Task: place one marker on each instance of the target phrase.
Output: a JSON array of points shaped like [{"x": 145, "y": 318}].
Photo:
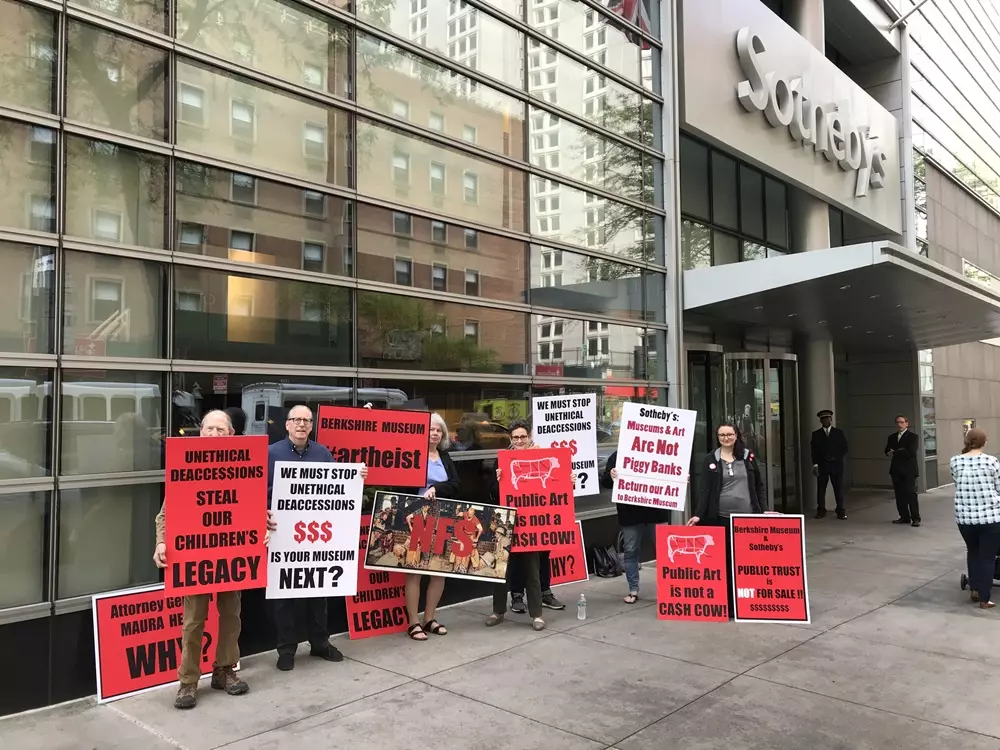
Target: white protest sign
[
  {"x": 570, "y": 422},
  {"x": 314, "y": 551},
  {"x": 654, "y": 456}
]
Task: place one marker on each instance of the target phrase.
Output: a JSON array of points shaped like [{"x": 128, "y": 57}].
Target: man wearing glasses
[{"x": 298, "y": 447}]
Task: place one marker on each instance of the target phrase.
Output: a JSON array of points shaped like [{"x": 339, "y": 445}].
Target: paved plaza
[{"x": 895, "y": 656}]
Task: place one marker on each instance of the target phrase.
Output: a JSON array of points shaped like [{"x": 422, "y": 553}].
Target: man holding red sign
[{"x": 214, "y": 424}]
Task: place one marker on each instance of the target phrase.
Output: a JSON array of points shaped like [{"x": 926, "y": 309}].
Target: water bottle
[{"x": 581, "y": 608}]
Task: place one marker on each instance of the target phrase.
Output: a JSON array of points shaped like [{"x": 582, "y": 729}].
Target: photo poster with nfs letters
[
  {"x": 440, "y": 537},
  {"x": 570, "y": 422},
  {"x": 314, "y": 550},
  {"x": 654, "y": 456}
]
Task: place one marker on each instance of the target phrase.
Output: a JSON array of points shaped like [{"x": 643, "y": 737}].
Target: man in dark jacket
[
  {"x": 829, "y": 446},
  {"x": 903, "y": 449}
]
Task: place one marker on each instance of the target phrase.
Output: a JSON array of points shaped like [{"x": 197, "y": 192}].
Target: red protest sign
[
  {"x": 568, "y": 562},
  {"x": 538, "y": 483},
  {"x": 379, "y": 607},
  {"x": 769, "y": 568},
  {"x": 393, "y": 444},
  {"x": 691, "y": 576},
  {"x": 137, "y": 640},
  {"x": 216, "y": 514}
]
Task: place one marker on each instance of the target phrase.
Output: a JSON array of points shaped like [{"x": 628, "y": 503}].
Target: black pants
[
  {"x": 905, "y": 488},
  {"x": 525, "y": 567},
  {"x": 286, "y": 615},
  {"x": 983, "y": 544},
  {"x": 516, "y": 575},
  {"x": 837, "y": 480}
]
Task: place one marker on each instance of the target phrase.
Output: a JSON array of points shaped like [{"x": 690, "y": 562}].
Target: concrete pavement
[{"x": 896, "y": 656}]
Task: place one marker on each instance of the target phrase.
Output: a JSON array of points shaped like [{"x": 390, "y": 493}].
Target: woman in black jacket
[
  {"x": 443, "y": 482},
  {"x": 636, "y": 522}
]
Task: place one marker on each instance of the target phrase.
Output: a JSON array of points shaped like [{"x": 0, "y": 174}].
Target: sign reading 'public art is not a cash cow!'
[{"x": 654, "y": 456}]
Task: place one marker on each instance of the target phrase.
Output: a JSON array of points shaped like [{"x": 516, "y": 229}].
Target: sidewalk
[{"x": 896, "y": 656}]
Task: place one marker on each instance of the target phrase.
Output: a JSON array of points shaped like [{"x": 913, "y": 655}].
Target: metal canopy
[{"x": 875, "y": 295}]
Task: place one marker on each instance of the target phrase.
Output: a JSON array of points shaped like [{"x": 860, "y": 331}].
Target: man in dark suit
[
  {"x": 829, "y": 446},
  {"x": 903, "y": 448}
]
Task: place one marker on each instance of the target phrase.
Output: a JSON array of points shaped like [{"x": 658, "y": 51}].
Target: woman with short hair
[{"x": 977, "y": 512}]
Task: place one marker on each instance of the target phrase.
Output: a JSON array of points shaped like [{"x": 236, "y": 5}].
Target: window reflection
[
  {"x": 151, "y": 14},
  {"x": 284, "y": 39},
  {"x": 240, "y": 217},
  {"x": 27, "y": 176},
  {"x": 111, "y": 421},
  {"x": 113, "y": 307},
  {"x": 397, "y": 247},
  {"x": 586, "y": 284},
  {"x": 23, "y": 533},
  {"x": 115, "y": 82},
  {"x": 231, "y": 118},
  {"x": 26, "y": 304},
  {"x": 27, "y": 55},
  {"x": 118, "y": 193},
  {"x": 572, "y": 348},
  {"x": 416, "y": 334},
  {"x": 696, "y": 245},
  {"x": 25, "y": 422},
  {"x": 231, "y": 317}
]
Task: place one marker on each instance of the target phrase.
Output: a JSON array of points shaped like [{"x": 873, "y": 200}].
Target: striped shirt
[{"x": 977, "y": 489}]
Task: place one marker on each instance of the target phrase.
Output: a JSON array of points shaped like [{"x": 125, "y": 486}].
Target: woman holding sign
[{"x": 442, "y": 481}]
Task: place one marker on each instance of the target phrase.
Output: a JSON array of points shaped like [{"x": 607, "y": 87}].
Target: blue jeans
[{"x": 633, "y": 545}]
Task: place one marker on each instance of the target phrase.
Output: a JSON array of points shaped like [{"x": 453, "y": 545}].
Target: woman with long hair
[{"x": 977, "y": 512}]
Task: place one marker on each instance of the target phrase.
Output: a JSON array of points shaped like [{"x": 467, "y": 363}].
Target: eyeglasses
[
  {"x": 724, "y": 435},
  {"x": 300, "y": 420},
  {"x": 519, "y": 438}
]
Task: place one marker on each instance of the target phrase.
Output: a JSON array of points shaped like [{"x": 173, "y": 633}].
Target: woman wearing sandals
[
  {"x": 977, "y": 511},
  {"x": 637, "y": 522},
  {"x": 442, "y": 481}
]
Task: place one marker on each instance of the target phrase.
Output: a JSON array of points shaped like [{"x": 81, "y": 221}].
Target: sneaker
[
  {"x": 328, "y": 652},
  {"x": 549, "y": 600},
  {"x": 224, "y": 678},
  {"x": 517, "y": 604},
  {"x": 539, "y": 624},
  {"x": 842, "y": 515},
  {"x": 187, "y": 696},
  {"x": 286, "y": 662}
]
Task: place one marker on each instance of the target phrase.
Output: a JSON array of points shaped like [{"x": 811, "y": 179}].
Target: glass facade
[{"x": 458, "y": 207}]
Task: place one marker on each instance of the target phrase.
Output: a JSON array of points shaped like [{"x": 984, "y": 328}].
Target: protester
[
  {"x": 977, "y": 511},
  {"x": 521, "y": 566},
  {"x": 443, "y": 482},
  {"x": 298, "y": 447},
  {"x": 637, "y": 522},
  {"x": 227, "y": 653}
]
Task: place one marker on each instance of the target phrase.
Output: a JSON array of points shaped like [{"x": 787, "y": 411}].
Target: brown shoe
[
  {"x": 224, "y": 678},
  {"x": 187, "y": 695}
]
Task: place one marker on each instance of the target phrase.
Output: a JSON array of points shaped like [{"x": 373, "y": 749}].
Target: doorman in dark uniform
[
  {"x": 829, "y": 446},
  {"x": 903, "y": 448}
]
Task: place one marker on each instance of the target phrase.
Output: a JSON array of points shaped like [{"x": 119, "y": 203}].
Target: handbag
[{"x": 606, "y": 562}]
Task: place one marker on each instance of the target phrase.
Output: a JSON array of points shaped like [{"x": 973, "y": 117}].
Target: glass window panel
[
  {"x": 280, "y": 218},
  {"x": 25, "y": 422},
  {"x": 416, "y": 334},
  {"x": 247, "y": 319},
  {"x": 27, "y": 154},
  {"x": 655, "y": 300},
  {"x": 725, "y": 201},
  {"x": 27, "y": 314},
  {"x": 115, "y": 82},
  {"x": 28, "y": 56},
  {"x": 112, "y": 306},
  {"x": 151, "y": 14},
  {"x": 696, "y": 245},
  {"x": 836, "y": 227},
  {"x": 498, "y": 189},
  {"x": 694, "y": 179},
  {"x": 595, "y": 349},
  {"x": 503, "y": 63},
  {"x": 449, "y": 102},
  {"x": 754, "y": 251},
  {"x": 751, "y": 202},
  {"x": 725, "y": 249},
  {"x": 106, "y": 177},
  {"x": 250, "y": 124},
  {"x": 589, "y": 285},
  {"x": 106, "y": 538},
  {"x": 284, "y": 39},
  {"x": 111, "y": 421},
  {"x": 776, "y": 203},
  {"x": 499, "y": 260},
  {"x": 24, "y": 520}
]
